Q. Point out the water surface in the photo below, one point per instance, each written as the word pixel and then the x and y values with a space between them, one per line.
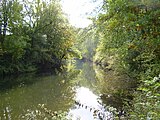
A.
pixel 83 93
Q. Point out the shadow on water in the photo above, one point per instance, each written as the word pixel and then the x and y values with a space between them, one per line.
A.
pixel 10 82
pixel 83 92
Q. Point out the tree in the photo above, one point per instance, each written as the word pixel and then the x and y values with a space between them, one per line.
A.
pixel 129 29
pixel 34 35
pixel 12 41
pixel 130 32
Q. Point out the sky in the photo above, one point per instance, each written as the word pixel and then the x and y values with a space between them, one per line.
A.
pixel 78 11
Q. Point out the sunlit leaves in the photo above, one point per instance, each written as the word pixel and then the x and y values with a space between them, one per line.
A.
pixel 129 29
pixel 34 32
pixel 148 107
pixel 132 23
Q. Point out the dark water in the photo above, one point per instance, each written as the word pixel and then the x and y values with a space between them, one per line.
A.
pixel 82 93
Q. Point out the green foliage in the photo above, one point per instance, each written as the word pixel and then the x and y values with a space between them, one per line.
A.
pixel 129 31
pixel 146 103
pixel 15 46
pixel 87 41
pixel 35 34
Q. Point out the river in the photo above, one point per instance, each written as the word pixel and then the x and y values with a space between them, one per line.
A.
pixel 82 93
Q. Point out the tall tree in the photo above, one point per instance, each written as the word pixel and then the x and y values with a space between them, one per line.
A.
pixel 129 29
pixel 33 35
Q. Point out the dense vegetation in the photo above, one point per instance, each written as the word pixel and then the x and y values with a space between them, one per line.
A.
pixel 130 33
pixel 33 36
pixel 36 36
pixel 87 41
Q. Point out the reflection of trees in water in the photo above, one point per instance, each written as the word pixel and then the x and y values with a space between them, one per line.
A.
pixel 87 77
pixel 114 89
pixel 55 91
pixel 13 81
pixel 88 73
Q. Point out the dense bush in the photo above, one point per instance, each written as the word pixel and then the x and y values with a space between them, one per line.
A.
pixel 130 32
pixel 33 36
pixel 130 29
pixel 146 103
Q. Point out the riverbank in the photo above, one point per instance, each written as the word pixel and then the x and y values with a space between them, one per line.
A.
pixel 142 99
